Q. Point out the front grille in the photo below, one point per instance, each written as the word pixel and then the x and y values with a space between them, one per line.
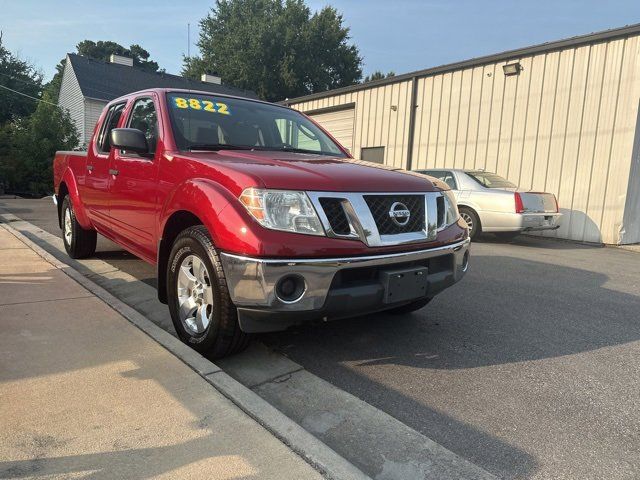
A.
pixel 441 211
pixel 335 214
pixel 379 205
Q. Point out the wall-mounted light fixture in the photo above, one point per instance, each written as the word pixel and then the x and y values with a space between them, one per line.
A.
pixel 394 108
pixel 512 68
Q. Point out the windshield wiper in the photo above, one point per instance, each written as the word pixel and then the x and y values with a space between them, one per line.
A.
pixel 284 148
pixel 218 146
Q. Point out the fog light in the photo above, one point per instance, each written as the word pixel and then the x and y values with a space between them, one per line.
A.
pixel 290 288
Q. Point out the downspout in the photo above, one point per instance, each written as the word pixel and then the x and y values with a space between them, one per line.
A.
pixel 412 121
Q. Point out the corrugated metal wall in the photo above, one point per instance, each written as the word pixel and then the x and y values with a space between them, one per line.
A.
pixel 376 123
pixel 565 124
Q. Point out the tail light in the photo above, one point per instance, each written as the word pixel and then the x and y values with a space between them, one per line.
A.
pixel 557 206
pixel 519 205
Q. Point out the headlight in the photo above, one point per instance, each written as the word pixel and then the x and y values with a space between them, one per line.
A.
pixel 289 211
pixel 450 208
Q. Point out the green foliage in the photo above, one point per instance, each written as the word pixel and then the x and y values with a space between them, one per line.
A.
pixel 28 145
pixel 276 48
pixel 17 75
pixel 102 50
pixel 378 75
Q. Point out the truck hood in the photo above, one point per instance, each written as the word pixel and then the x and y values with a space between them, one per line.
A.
pixel 296 171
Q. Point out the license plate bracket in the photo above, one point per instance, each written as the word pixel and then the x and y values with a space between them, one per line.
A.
pixel 404 284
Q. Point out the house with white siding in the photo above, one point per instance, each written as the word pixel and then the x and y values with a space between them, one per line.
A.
pixel 88 85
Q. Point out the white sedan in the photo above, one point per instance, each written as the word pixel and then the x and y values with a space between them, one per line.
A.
pixel 491 203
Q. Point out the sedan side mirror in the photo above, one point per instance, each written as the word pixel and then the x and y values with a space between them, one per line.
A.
pixel 129 139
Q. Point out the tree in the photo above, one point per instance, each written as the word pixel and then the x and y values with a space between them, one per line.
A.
pixel 19 75
pixel 378 75
pixel 28 145
pixel 102 50
pixel 276 48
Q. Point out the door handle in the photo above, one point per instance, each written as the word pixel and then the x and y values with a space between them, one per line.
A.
pixel 113 171
pixel 90 167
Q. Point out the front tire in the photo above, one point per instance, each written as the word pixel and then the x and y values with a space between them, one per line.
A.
pixel 473 221
pixel 201 309
pixel 78 242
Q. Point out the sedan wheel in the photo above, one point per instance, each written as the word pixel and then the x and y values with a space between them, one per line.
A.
pixel 472 220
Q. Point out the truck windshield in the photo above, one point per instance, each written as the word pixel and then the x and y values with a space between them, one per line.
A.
pixel 491 180
pixel 209 122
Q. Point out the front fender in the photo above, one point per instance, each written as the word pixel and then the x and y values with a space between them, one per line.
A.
pixel 203 198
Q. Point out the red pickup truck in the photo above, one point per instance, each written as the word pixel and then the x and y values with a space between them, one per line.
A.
pixel 256 218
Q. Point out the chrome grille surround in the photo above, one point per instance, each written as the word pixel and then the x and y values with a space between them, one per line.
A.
pixel 363 225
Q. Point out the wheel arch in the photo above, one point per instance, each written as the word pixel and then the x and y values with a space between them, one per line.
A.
pixel 474 210
pixel 69 182
pixel 63 191
pixel 176 223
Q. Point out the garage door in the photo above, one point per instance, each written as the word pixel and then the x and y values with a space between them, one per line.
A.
pixel 338 123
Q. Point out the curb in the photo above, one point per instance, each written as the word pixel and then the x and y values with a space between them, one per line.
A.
pixel 313 451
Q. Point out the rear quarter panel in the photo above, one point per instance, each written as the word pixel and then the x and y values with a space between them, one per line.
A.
pixel 69 169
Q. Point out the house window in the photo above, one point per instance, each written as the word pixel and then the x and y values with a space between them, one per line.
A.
pixel 372 154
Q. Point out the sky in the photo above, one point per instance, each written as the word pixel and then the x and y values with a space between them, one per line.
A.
pixel 392 35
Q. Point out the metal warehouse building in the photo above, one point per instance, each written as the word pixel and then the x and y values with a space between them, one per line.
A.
pixel 560 117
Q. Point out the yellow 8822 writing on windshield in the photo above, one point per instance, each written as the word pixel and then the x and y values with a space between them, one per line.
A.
pixel 205 105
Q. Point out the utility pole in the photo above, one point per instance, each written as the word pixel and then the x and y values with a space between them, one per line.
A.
pixel 188 40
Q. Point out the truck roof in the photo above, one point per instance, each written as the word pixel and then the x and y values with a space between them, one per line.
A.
pixel 192 91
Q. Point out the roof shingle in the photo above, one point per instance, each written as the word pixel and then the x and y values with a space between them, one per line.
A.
pixel 106 81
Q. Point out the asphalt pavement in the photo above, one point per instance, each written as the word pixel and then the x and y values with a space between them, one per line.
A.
pixel 528 367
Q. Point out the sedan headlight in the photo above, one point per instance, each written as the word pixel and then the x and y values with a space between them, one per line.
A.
pixel 451 213
pixel 289 211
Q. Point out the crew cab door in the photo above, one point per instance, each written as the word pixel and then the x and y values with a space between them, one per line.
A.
pixel 95 192
pixel 133 194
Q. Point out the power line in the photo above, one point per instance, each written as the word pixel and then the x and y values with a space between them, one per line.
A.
pixel 29 96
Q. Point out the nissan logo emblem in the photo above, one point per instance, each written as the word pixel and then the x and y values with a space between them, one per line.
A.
pixel 399 213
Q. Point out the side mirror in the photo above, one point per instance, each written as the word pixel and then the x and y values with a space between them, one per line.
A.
pixel 129 139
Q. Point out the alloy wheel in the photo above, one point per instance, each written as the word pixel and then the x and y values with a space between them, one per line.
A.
pixel 467 218
pixel 195 295
pixel 68 227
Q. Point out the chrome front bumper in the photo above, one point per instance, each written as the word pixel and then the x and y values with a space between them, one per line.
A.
pixel 252 281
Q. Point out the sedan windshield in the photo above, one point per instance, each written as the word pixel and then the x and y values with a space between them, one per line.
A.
pixel 491 180
pixel 209 122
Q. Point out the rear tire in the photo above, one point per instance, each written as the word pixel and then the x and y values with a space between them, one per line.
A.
pixel 473 221
pixel 78 242
pixel 410 307
pixel 201 309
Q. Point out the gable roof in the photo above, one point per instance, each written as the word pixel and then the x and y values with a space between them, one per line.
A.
pixel 105 81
